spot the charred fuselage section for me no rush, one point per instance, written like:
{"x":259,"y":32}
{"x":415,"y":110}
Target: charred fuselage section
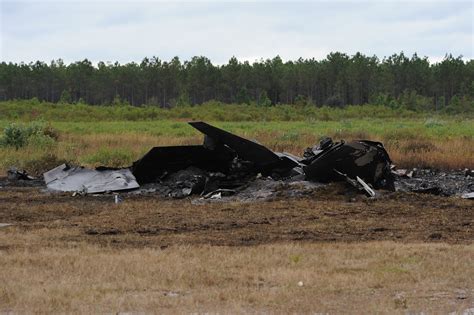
{"x":226,"y":160}
{"x":365,"y":159}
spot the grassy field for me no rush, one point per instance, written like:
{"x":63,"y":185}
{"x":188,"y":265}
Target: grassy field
{"x":380,"y":277}
{"x":117,"y":136}
{"x":324,"y":253}
{"x":446,"y":143}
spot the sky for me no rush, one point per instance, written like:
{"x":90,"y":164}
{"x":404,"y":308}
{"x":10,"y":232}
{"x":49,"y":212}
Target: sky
{"x":126,"y":31}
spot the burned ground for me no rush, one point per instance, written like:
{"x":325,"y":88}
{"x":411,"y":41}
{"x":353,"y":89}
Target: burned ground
{"x":312,"y":250}
{"x":328,"y":214}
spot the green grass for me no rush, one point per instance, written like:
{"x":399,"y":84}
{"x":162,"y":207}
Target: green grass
{"x":393,"y":128}
{"x":211,"y":111}
{"x":418,"y":139}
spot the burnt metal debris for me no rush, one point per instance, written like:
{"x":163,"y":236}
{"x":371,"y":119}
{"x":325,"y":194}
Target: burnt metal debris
{"x":227,"y":161}
{"x":15,"y":174}
{"x":79,"y":179}
{"x":227,"y":164}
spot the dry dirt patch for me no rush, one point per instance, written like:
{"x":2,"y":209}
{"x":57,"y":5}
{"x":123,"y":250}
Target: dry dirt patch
{"x":283,"y":277}
{"x":328,"y":215}
{"x":398,"y":253}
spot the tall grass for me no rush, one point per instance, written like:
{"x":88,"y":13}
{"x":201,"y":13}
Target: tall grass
{"x":212,"y":111}
{"x":411,"y":144}
{"x":116,"y":136}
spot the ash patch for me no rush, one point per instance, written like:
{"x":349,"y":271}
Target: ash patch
{"x":442,"y":183}
{"x":6,"y":182}
{"x":264,"y":190}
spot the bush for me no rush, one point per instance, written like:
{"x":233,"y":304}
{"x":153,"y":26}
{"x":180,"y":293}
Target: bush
{"x":460,"y":105}
{"x":263,"y":100}
{"x":41,"y":141}
{"x":18,"y":135}
{"x":14,"y":136}
{"x":65,"y":97}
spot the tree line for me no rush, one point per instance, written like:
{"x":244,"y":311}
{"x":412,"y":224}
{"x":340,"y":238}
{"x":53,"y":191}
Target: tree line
{"x":337,"y":80}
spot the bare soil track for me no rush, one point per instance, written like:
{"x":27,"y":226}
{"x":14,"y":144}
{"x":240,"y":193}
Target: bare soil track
{"x":328,"y":215}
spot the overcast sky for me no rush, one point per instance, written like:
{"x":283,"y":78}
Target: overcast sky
{"x":127,"y":31}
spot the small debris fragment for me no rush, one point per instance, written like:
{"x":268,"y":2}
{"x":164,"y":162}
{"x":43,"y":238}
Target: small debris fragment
{"x":14,"y":174}
{"x":300,"y":284}
{"x":461,"y":294}
{"x":117,"y":199}
{"x":435,"y":236}
{"x":111,"y":231}
{"x":468,"y":195}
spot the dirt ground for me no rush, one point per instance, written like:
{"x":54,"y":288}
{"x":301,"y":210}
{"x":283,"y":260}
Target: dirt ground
{"x":400,"y":252}
{"x":328,"y":215}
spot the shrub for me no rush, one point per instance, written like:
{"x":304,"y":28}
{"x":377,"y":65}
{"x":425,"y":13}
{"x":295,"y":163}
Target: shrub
{"x":65,"y":97}
{"x":263,"y":99}
{"x":18,"y":135}
{"x":14,"y":135}
{"x":41,"y":141}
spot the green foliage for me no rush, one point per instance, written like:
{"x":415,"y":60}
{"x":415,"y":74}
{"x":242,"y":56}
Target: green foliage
{"x":301,"y":100}
{"x":110,"y":158}
{"x":183,"y":100}
{"x":65,"y":97}
{"x":38,"y":164}
{"x":458,"y":104}
{"x":263,"y":99}
{"x":14,"y":135}
{"x":118,"y":101}
{"x":211,"y":111}
{"x":35,"y":133}
{"x":335,"y":81}
{"x":413,"y":101}
{"x":243,"y":96}
{"x":334,"y":101}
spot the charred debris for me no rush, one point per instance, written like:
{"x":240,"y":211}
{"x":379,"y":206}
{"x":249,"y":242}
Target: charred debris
{"x":226,"y":164}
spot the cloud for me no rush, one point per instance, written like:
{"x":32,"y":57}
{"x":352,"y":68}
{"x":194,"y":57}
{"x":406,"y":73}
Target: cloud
{"x":129,"y":31}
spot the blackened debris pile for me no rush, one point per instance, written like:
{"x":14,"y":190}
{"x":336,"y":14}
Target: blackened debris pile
{"x":226,"y":165}
{"x":436,"y":182}
{"x":227,"y":161}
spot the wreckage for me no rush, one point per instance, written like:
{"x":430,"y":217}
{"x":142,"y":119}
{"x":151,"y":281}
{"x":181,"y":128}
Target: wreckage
{"x":226,"y":161}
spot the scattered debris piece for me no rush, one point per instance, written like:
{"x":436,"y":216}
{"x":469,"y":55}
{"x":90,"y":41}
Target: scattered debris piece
{"x":461,"y":294}
{"x":366,"y":187}
{"x":404,"y":173}
{"x":227,"y":164}
{"x":227,"y":161}
{"x":107,"y":231}
{"x":468,"y":195}
{"x":79,"y":179}
{"x":431,"y":181}
{"x":117,"y":199}
{"x":14,"y":174}
{"x":363,"y":158}
{"x":2,"y":225}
